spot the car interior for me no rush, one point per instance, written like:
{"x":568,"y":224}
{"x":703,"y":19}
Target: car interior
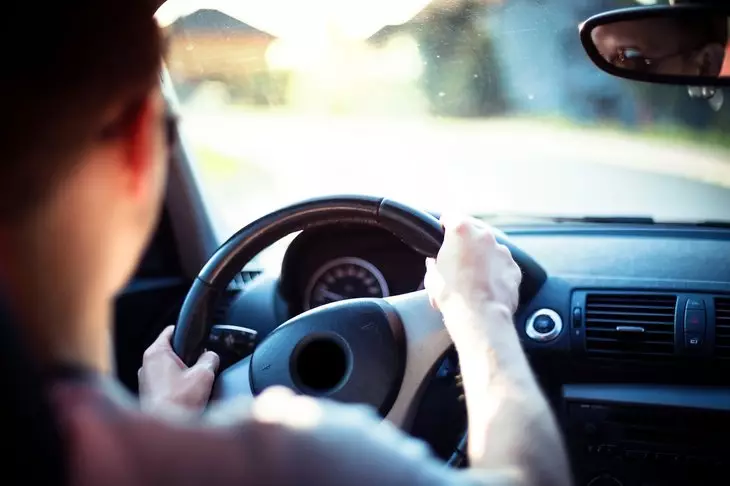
{"x":625,"y":319}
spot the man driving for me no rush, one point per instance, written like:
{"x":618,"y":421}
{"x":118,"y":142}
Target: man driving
{"x":83,"y":181}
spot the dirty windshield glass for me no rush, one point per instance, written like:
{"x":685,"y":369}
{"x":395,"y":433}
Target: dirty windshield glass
{"x":483,"y":106}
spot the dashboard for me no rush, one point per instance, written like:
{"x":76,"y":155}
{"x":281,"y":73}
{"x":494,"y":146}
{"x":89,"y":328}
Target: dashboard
{"x":629,"y":336}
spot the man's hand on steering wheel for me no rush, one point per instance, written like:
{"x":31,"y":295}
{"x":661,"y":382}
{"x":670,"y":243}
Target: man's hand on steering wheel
{"x":169,"y":388}
{"x":472,"y":270}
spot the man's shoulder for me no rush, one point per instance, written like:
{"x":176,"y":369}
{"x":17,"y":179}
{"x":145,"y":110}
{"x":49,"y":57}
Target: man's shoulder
{"x":110,"y":441}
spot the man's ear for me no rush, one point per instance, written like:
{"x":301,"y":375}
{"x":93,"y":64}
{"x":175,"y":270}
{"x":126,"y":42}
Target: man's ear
{"x":142,"y":139}
{"x":709,"y":60}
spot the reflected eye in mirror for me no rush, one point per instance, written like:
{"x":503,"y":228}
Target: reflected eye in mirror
{"x":685,"y":44}
{"x":630,"y":58}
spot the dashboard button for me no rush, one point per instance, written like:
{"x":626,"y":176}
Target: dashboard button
{"x":693,"y":340}
{"x":577,"y":317}
{"x":694,"y":303}
{"x":544,"y":325}
{"x":694,"y":321}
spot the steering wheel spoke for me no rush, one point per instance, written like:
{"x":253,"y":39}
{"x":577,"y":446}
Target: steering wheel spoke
{"x":234,"y":382}
{"x":427,"y":341}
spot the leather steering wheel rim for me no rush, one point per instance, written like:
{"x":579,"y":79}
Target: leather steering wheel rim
{"x":418,"y":229}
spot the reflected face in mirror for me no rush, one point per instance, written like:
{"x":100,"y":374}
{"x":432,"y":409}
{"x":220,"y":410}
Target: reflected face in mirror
{"x":675,"y":46}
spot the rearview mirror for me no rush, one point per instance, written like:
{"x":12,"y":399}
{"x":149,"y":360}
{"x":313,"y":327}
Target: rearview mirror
{"x":685,"y":44}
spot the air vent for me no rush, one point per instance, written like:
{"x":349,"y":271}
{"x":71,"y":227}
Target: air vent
{"x":722,"y":327}
{"x":631,"y":326}
{"x":249,"y":275}
{"x":244,"y":278}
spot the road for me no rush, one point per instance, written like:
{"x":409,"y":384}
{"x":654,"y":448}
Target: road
{"x":477,"y":166}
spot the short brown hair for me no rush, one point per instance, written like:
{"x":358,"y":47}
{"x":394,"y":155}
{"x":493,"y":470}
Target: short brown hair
{"x":65,"y":63}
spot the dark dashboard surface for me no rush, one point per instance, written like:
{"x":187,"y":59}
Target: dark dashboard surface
{"x":658,"y":256}
{"x":644,"y":328}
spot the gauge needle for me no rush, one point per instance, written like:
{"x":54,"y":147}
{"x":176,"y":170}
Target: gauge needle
{"x":331,"y":295}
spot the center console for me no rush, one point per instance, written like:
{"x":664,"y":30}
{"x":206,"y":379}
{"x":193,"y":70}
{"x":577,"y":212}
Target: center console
{"x":647,"y":435}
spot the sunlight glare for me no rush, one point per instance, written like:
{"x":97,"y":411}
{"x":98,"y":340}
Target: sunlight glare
{"x":280,"y":405}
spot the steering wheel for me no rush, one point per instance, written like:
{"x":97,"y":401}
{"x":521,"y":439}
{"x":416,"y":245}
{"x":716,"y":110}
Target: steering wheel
{"x":379,"y":352}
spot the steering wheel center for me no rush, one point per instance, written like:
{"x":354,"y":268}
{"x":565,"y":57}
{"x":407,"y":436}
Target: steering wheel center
{"x":352,"y":351}
{"x":321,"y":364}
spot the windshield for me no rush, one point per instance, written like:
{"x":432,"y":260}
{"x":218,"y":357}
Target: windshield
{"x":480,"y":106}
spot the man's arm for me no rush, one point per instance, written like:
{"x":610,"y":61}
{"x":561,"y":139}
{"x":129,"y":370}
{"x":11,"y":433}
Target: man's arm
{"x":511,"y":425}
{"x":475,"y":283}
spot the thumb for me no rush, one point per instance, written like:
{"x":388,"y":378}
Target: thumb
{"x":432,"y":282}
{"x":207,"y":361}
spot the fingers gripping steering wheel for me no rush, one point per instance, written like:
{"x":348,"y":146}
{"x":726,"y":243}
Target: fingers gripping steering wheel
{"x":381,"y":352}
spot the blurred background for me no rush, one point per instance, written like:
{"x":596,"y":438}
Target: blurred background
{"x":485,"y":106}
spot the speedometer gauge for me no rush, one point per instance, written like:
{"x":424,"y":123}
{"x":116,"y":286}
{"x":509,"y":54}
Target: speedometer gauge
{"x":344,"y":278}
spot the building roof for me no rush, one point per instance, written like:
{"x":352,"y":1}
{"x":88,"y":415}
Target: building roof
{"x":207,"y":20}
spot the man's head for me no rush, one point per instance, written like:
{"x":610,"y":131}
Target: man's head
{"x":690,"y":45}
{"x":83,"y":145}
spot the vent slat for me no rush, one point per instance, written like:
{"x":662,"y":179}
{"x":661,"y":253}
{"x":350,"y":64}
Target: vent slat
{"x":722,"y":327}
{"x":613,"y":340}
{"x":654,"y":313}
{"x":619,"y":320}
{"x":639,"y":299}
{"x":629,"y":355}
{"x":612,"y":330}
{"x":644,"y":315}
{"x":249,"y":275}
{"x":598,"y":306}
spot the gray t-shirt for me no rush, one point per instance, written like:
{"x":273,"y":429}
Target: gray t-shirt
{"x":271,"y":441}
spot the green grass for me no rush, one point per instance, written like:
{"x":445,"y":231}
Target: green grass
{"x":712,"y":138}
{"x":219,"y":166}
{"x":216,"y":164}
{"x":231,"y":178}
